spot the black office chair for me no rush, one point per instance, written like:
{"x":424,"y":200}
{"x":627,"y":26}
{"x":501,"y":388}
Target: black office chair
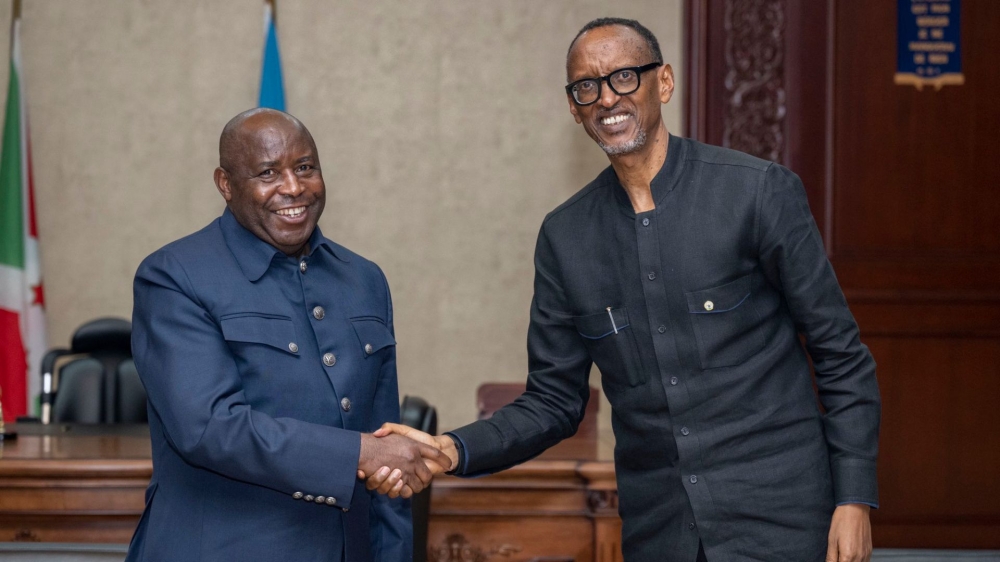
{"x":417,"y":413}
{"x":99,"y":384}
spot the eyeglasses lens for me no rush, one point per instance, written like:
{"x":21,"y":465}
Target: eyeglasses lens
{"x":587,"y":91}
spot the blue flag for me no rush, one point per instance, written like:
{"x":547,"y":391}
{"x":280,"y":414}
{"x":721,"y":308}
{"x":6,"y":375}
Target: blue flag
{"x":272,"y":88}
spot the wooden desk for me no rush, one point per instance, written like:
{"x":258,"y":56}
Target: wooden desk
{"x":87,"y":484}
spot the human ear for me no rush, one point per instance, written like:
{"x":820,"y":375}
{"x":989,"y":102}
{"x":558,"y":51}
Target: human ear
{"x":665,"y":79}
{"x":223,"y":185}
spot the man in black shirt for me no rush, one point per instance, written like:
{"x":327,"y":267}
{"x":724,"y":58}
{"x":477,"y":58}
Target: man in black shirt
{"x":687,"y":273}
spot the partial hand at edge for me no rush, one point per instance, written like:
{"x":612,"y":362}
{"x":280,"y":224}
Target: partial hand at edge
{"x":850,"y":538}
{"x":390,"y":482}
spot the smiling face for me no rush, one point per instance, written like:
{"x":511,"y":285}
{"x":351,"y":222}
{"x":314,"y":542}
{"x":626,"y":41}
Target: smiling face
{"x":271,"y":179}
{"x":619,"y":124}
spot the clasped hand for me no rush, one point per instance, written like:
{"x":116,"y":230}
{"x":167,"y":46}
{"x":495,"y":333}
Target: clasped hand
{"x":399,"y":461}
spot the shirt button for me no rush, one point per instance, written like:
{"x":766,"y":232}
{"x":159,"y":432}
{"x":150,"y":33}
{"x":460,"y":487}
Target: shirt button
{"x":319,"y":313}
{"x":329,"y":359}
{"x":645,"y":222}
{"x":693,"y":479}
{"x":673,"y":381}
{"x":709,"y":306}
{"x":691,"y":526}
{"x":308,"y":497}
{"x":368,"y":349}
{"x":345,"y":404}
{"x":331,"y":501}
{"x":302,"y":266}
{"x":293,"y":347}
{"x":651,"y":276}
{"x":297,"y":496}
{"x":685,"y":431}
{"x":662,"y":329}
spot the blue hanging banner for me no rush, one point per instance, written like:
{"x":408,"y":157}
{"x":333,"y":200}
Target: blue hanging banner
{"x":929,"y":43}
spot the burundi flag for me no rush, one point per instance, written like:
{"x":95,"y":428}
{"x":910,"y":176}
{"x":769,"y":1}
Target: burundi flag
{"x":22,"y":316}
{"x":272,"y":89}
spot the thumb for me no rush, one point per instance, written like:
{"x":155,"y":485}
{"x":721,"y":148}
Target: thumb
{"x":832,"y":550}
{"x":389,"y":428}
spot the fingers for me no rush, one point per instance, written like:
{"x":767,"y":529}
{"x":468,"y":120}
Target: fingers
{"x":377,"y":479}
{"x":436,"y":455}
{"x":396,"y":489}
{"x":407,"y":492}
{"x":394,"y":478}
{"x":406,"y":431}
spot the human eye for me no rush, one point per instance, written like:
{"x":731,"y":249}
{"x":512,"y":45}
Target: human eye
{"x":624,"y":75}
{"x":304,"y":168}
{"x":267,"y":174}
{"x":585,"y":86}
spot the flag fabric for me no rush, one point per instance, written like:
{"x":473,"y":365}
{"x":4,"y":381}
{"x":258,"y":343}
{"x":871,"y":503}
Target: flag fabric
{"x":272,"y":88}
{"x":22,"y":314}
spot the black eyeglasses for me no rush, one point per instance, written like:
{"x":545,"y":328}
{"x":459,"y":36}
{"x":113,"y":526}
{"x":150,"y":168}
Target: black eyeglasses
{"x":623,"y":82}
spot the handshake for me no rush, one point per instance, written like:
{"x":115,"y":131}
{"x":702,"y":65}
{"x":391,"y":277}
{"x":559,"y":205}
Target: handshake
{"x":400,"y":461}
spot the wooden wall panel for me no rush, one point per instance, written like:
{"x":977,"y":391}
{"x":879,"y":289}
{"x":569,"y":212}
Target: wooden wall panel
{"x":905,"y":186}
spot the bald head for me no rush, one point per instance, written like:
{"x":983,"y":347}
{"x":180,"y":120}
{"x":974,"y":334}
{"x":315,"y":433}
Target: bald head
{"x":270,"y":177}
{"x":242,"y":132}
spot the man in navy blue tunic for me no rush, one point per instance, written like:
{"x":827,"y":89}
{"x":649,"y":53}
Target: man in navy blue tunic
{"x":267,"y":352}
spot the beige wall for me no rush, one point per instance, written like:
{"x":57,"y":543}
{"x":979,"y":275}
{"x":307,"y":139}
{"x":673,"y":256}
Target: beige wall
{"x":442,"y":127}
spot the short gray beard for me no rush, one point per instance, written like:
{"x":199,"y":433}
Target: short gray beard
{"x":637,"y":142}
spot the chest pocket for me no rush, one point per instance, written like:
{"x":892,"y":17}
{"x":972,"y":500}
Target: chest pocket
{"x":373,"y":335}
{"x":272,"y":330}
{"x":725,"y":323}
{"x":612,"y":346}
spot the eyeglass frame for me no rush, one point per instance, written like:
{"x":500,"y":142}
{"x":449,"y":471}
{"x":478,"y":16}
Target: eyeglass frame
{"x":639,"y":70}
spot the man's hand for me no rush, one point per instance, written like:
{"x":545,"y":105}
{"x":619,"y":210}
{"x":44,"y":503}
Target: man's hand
{"x":411,"y":460}
{"x":850,"y":534}
{"x":390,"y":482}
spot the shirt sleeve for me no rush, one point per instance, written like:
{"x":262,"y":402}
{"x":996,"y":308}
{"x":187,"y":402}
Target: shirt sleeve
{"x":195,"y":390}
{"x":557,"y":389}
{"x":391,"y":521}
{"x":794,"y":260}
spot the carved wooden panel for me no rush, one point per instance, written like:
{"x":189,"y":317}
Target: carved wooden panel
{"x":755,"y":103}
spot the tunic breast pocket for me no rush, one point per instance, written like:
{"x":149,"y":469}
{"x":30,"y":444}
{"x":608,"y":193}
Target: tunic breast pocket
{"x":373,"y":336}
{"x":725,"y":323}
{"x":255,"y":337}
{"x":611,"y":342}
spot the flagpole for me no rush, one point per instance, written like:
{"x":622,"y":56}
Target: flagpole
{"x":15,"y":15}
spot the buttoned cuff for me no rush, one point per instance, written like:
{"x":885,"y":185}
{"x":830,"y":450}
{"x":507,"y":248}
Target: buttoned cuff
{"x":854,"y":481}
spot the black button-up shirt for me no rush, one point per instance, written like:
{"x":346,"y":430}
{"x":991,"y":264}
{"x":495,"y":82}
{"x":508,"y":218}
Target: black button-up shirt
{"x":692,"y":312}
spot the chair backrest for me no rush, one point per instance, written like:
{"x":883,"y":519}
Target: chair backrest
{"x":99,"y":384}
{"x":492,"y":396}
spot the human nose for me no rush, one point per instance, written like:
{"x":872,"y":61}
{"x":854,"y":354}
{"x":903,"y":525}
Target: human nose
{"x":608,"y":96}
{"x":290,"y":184}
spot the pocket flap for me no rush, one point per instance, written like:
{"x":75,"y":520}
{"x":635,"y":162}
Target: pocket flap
{"x":599,"y":325}
{"x":268,"y":329}
{"x":719,"y":299}
{"x":372,"y":332}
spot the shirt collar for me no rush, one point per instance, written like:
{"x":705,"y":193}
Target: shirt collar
{"x":254,"y":255}
{"x":663,"y":182}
